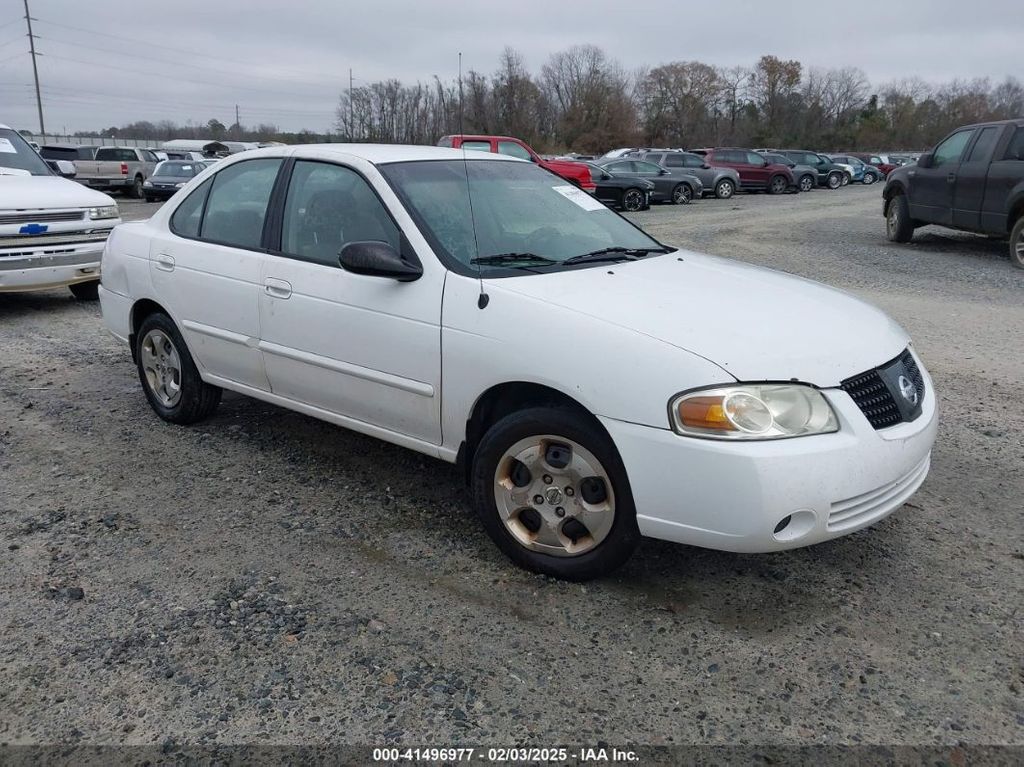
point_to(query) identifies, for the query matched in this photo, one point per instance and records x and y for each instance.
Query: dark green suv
(829, 174)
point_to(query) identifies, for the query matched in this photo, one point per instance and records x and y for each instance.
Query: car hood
(567, 166)
(36, 192)
(756, 323)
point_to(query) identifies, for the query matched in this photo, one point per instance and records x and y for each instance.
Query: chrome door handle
(165, 263)
(951, 178)
(276, 288)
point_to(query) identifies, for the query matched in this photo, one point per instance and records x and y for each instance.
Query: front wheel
(898, 225)
(632, 200)
(777, 185)
(682, 194)
(168, 374)
(86, 291)
(552, 493)
(869, 178)
(1017, 244)
(725, 189)
(834, 181)
(846, 178)
(806, 183)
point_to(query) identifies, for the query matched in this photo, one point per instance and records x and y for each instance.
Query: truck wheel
(806, 183)
(834, 181)
(777, 185)
(632, 200)
(898, 226)
(682, 194)
(85, 291)
(1017, 244)
(136, 190)
(552, 493)
(169, 377)
(725, 189)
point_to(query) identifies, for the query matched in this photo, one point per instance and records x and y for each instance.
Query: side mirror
(605, 176)
(663, 172)
(925, 160)
(378, 259)
(705, 166)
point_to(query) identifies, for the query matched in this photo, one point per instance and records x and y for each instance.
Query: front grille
(29, 217)
(57, 238)
(875, 396)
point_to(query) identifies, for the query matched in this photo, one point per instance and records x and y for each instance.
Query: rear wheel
(1017, 244)
(552, 493)
(682, 194)
(136, 188)
(85, 291)
(834, 180)
(725, 189)
(846, 178)
(898, 225)
(777, 185)
(806, 183)
(168, 374)
(632, 200)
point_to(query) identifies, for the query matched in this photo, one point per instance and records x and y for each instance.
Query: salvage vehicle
(629, 193)
(862, 171)
(117, 168)
(829, 174)
(574, 172)
(720, 182)
(473, 307)
(878, 161)
(52, 230)
(169, 177)
(806, 175)
(756, 173)
(973, 180)
(668, 187)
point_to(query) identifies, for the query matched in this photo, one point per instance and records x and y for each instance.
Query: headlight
(753, 411)
(107, 211)
(147, 182)
(180, 185)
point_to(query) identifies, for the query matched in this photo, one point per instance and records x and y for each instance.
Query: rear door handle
(276, 288)
(165, 263)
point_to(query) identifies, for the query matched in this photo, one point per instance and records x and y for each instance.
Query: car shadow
(15, 304)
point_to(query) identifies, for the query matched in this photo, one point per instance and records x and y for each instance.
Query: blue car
(862, 171)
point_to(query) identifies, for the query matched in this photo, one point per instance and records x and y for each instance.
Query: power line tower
(35, 69)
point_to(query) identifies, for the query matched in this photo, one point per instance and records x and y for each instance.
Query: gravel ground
(268, 578)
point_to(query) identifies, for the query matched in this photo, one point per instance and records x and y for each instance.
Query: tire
(834, 180)
(527, 529)
(725, 189)
(136, 189)
(807, 183)
(682, 194)
(898, 225)
(633, 200)
(1017, 244)
(777, 185)
(869, 179)
(150, 198)
(846, 178)
(169, 377)
(86, 291)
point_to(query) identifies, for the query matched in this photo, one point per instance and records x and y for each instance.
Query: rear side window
(672, 160)
(238, 203)
(1015, 150)
(187, 217)
(692, 161)
(982, 150)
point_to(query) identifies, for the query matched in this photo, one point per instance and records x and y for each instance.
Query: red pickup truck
(575, 172)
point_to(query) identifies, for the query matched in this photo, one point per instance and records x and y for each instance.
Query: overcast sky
(107, 62)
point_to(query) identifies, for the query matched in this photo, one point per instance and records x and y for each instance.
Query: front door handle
(165, 263)
(951, 178)
(276, 288)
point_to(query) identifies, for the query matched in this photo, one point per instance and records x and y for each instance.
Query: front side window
(692, 161)
(238, 202)
(187, 217)
(517, 208)
(951, 149)
(753, 158)
(674, 161)
(329, 206)
(512, 149)
(647, 168)
(478, 146)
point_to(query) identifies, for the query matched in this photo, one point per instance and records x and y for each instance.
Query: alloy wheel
(681, 195)
(633, 200)
(554, 496)
(724, 189)
(870, 178)
(806, 184)
(161, 365)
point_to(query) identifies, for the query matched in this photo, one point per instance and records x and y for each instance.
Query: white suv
(596, 384)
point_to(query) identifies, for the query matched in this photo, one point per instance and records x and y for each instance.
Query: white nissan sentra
(597, 385)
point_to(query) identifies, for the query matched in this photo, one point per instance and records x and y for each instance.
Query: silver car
(806, 176)
(721, 182)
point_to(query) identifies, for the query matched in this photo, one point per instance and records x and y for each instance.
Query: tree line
(582, 100)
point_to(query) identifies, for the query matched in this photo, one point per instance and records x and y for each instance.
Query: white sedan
(597, 385)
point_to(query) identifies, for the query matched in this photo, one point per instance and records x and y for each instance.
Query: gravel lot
(265, 577)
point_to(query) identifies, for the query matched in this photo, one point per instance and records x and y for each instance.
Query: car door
(207, 269)
(1005, 173)
(365, 348)
(756, 169)
(663, 181)
(931, 186)
(969, 190)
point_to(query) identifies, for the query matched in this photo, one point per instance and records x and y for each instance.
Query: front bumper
(43, 270)
(732, 495)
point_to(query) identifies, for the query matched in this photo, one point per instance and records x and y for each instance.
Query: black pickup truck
(973, 180)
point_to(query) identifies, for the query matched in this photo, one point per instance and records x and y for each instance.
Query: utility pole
(351, 111)
(35, 70)
(237, 122)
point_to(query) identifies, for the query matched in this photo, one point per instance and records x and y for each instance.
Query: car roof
(376, 154)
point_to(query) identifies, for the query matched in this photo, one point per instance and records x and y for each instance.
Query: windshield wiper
(513, 258)
(614, 254)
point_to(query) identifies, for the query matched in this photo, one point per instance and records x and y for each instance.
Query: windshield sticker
(581, 198)
(7, 147)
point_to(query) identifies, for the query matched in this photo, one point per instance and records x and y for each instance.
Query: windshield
(177, 169)
(518, 209)
(17, 154)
